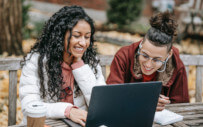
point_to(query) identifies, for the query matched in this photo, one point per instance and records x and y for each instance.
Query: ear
(170, 53)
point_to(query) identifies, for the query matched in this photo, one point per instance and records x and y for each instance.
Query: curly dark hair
(163, 29)
(51, 45)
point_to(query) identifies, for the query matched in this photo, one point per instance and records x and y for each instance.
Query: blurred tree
(123, 12)
(10, 27)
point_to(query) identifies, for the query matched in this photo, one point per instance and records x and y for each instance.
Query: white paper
(165, 117)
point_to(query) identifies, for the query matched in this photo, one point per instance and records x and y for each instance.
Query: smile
(79, 49)
(147, 69)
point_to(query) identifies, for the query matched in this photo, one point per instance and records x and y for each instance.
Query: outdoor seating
(13, 64)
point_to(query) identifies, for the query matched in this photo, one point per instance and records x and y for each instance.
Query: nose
(82, 41)
(148, 63)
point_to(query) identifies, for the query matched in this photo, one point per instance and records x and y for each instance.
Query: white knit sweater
(29, 89)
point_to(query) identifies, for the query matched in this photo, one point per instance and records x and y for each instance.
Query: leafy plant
(123, 12)
(25, 19)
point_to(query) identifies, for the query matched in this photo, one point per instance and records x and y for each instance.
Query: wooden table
(192, 112)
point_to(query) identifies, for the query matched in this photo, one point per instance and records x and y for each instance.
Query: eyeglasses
(154, 61)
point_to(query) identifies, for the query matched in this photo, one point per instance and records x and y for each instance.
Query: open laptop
(122, 105)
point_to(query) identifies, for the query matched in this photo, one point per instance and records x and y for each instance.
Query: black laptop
(122, 105)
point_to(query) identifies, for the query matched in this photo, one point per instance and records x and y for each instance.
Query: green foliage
(30, 29)
(123, 12)
(25, 19)
(37, 30)
(25, 16)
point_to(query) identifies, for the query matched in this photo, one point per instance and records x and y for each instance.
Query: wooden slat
(187, 59)
(184, 105)
(13, 63)
(198, 93)
(191, 116)
(192, 59)
(187, 70)
(12, 97)
(105, 59)
(186, 108)
(21, 125)
(10, 64)
(196, 123)
(55, 123)
(104, 71)
(180, 124)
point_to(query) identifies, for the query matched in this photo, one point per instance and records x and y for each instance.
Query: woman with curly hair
(154, 59)
(62, 66)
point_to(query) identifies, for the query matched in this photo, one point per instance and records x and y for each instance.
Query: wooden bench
(13, 64)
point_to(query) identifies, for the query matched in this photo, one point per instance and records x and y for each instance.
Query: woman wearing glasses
(154, 59)
(61, 69)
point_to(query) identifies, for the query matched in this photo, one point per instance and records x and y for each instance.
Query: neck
(67, 58)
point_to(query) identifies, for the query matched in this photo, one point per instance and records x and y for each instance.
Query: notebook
(166, 117)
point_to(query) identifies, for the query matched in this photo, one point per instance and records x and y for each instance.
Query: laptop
(122, 105)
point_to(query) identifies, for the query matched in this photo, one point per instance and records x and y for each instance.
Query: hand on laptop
(163, 100)
(78, 116)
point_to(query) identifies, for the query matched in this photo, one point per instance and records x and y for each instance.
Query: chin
(77, 55)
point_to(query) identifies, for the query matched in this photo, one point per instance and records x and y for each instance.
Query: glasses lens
(157, 63)
(154, 62)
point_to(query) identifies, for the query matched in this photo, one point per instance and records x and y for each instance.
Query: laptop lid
(123, 105)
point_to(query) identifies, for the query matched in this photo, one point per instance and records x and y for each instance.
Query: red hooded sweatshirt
(122, 66)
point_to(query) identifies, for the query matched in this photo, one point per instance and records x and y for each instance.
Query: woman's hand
(78, 116)
(163, 100)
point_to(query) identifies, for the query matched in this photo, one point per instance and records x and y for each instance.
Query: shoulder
(32, 57)
(176, 58)
(127, 52)
(123, 51)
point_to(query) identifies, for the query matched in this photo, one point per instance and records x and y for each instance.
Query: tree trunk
(10, 27)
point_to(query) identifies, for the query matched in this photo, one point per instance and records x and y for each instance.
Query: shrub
(25, 19)
(123, 12)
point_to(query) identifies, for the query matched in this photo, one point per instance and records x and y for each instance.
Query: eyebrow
(80, 32)
(152, 57)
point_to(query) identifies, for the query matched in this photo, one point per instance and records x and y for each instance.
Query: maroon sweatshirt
(121, 71)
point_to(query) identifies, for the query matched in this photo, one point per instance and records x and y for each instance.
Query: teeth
(79, 49)
(148, 69)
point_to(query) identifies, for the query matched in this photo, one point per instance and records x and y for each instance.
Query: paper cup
(36, 114)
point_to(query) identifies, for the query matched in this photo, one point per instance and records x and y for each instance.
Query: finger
(81, 123)
(83, 118)
(160, 105)
(164, 97)
(164, 101)
(160, 108)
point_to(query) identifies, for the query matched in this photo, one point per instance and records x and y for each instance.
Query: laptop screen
(123, 105)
